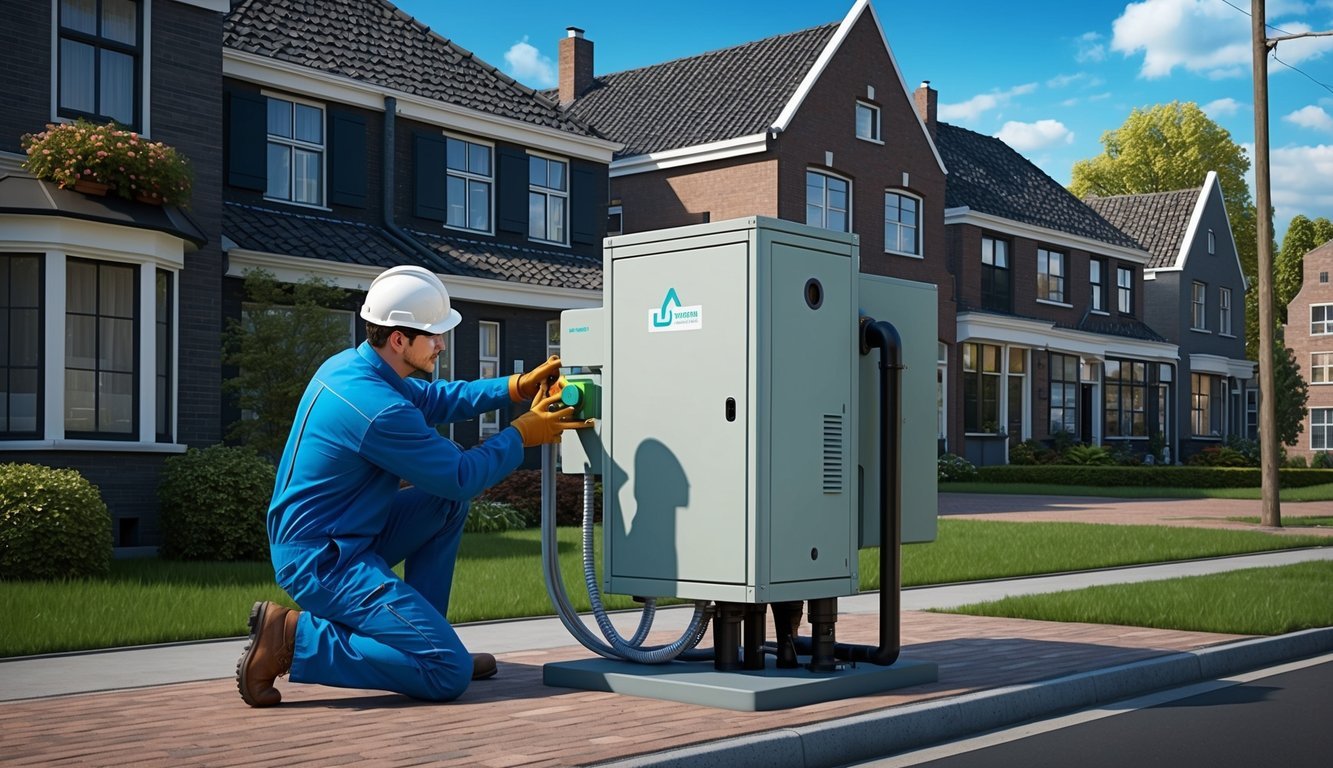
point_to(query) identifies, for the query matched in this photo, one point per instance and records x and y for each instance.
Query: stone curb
(897, 729)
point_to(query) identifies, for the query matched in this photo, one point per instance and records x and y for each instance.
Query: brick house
(330, 139)
(113, 308)
(1051, 308)
(1309, 334)
(815, 126)
(1194, 295)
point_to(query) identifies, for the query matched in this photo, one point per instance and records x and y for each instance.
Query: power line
(1273, 48)
(1247, 13)
(1307, 76)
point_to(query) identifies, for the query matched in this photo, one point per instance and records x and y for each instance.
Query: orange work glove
(525, 386)
(541, 425)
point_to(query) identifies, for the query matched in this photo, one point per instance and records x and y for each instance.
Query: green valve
(584, 396)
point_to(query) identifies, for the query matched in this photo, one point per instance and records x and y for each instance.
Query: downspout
(395, 232)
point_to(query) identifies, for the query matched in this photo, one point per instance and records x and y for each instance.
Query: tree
(285, 333)
(1303, 236)
(1173, 146)
(1292, 393)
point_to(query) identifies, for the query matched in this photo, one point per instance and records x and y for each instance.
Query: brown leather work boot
(483, 666)
(268, 656)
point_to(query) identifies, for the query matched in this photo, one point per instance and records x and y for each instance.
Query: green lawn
(1255, 601)
(1322, 492)
(1296, 521)
(500, 576)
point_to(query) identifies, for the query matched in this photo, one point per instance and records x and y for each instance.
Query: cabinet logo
(672, 316)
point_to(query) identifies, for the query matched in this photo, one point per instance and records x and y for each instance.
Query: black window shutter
(430, 158)
(247, 153)
(347, 159)
(587, 203)
(512, 189)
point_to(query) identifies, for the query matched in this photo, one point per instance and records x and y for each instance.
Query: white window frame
(1097, 287)
(1321, 429)
(293, 144)
(488, 367)
(942, 390)
(1212, 243)
(1124, 290)
(1323, 326)
(1207, 396)
(1053, 292)
(552, 338)
(873, 112)
(469, 177)
(143, 73)
(548, 194)
(899, 225)
(1198, 306)
(823, 206)
(1224, 312)
(1321, 368)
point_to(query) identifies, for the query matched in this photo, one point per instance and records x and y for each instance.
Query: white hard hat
(410, 297)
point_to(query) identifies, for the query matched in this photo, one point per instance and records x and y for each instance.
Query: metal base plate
(746, 691)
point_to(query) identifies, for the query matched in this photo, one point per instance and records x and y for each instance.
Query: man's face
(421, 352)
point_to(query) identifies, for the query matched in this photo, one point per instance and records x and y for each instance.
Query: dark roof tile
(988, 176)
(1158, 220)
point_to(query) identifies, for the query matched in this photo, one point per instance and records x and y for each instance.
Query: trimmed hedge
(214, 502)
(522, 490)
(53, 524)
(1150, 477)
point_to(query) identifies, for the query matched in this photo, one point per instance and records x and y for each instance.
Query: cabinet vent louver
(833, 453)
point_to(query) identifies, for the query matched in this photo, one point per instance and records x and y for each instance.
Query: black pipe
(752, 644)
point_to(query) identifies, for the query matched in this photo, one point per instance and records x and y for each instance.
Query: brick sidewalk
(514, 720)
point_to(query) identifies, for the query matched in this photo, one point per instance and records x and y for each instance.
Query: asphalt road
(1275, 717)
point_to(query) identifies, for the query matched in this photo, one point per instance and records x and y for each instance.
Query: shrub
(485, 516)
(214, 501)
(1151, 477)
(1322, 460)
(952, 468)
(1295, 462)
(1024, 452)
(53, 524)
(1245, 447)
(522, 490)
(1087, 455)
(1218, 456)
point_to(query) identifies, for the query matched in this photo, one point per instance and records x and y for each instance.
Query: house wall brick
(25, 56)
(716, 191)
(1298, 338)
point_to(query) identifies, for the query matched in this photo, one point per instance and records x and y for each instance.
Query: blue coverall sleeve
(400, 441)
(445, 402)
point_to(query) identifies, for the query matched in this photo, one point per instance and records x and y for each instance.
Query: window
(1224, 311)
(1212, 243)
(552, 337)
(100, 58)
(901, 223)
(1251, 413)
(981, 388)
(100, 332)
(867, 121)
(941, 389)
(1097, 280)
(826, 202)
(548, 196)
(1321, 368)
(1126, 390)
(1321, 319)
(1321, 429)
(1124, 283)
(295, 152)
(1050, 275)
(615, 220)
(468, 184)
(1205, 405)
(1199, 307)
(489, 367)
(164, 296)
(995, 274)
(1064, 394)
(1016, 391)
(1323, 277)
(20, 345)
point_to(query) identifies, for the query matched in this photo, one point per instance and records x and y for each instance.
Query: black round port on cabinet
(814, 293)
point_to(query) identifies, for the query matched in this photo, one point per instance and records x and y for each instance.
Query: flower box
(121, 161)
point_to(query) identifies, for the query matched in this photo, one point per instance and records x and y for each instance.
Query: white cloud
(1029, 137)
(529, 66)
(981, 103)
(1221, 108)
(1060, 81)
(1090, 48)
(1312, 117)
(1202, 36)
(1301, 181)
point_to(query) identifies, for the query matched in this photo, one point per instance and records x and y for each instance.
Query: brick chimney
(927, 103)
(575, 65)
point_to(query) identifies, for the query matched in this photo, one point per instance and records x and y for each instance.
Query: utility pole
(1269, 514)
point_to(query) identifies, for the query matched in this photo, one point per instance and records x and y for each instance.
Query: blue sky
(1047, 76)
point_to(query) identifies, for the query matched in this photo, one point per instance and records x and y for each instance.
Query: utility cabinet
(728, 412)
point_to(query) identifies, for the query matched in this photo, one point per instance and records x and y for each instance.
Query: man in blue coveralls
(366, 482)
